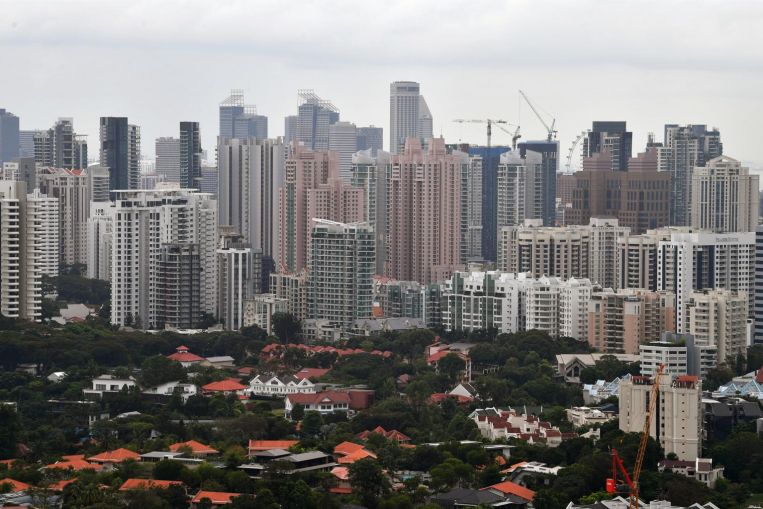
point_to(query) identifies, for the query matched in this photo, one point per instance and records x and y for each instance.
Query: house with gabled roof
(116, 456)
(280, 386)
(184, 356)
(196, 448)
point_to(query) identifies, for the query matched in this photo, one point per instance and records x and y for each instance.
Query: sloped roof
(115, 456)
(196, 447)
(355, 456)
(228, 385)
(75, 465)
(266, 445)
(512, 488)
(216, 497)
(346, 448)
(311, 399)
(147, 484)
(15, 485)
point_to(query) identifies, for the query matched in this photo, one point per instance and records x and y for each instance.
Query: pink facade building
(312, 189)
(424, 203)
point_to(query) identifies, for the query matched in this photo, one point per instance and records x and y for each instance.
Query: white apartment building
(294, 289)
(678, 358)
(574, 295)
(42, 238)
(718, 318)
(343, 139)
(147, 223)
(677, 422)
(260, 309)
(239, 269)
(606, 233)
(724, 196)
(99, 238)
(517, 199)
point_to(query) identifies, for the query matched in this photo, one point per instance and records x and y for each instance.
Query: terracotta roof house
(267, 445)
(116, 456)
(197, 448)
(217, 498)
(227, 386)
(355, 456)
(393, 434)
(75, 464)
(185, 357)
(342, 475)
(346, 448)
(147, 484)
(511, 488)
(60, 485)
(14, 485)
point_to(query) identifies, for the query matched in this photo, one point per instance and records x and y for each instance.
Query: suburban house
(271, 385)
(185, 357)
(347, 453)
(216, 498)
(169, 389)
(512, 490)
(585, 416)
(342, 476)
(467, 497)
(267, 445)
(147, 484)
(570, 365)
(74, 463)
(393, 434)
(196, 448)
(495, 424)
(701, 469)
(109, 384)
(226, 387)
(116, 456)
(437, 350)
(327, 402)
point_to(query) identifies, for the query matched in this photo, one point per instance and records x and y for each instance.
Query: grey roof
(307, 456)
(161, 454)
(272, 453)
(467, 496)
(221, 358)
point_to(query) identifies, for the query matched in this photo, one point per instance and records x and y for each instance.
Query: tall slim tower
(120, 152)
(724, 196)
(404, 105)
(314, 120)
(240, 120)
(9, 136)
(190, 155)
(168, 159)
(343, 138)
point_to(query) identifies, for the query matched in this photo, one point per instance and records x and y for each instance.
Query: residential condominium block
(343, 139)
(369, 173)
(294, 289)
(679, 355)
(677, 422)
(148, 225)
(718, 318)
(120, 152)
(239, 269)
(471, 210)
(100, 225)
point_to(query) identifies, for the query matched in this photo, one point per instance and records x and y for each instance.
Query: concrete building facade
(724, 196)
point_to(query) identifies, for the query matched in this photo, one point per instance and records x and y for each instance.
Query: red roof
(346, 448)
(389, 435)
(196, 447)
(512, 488)
(229, 385)
(75, 465)
(147, 484)
(355, 456)
(15, 485)
(341, 473)
(115, 456)
(185, 357)
(266, 445)
(312, 399)
(216, 497)
(60, 485)
(311, 373)
(759, 376)
(340, 490)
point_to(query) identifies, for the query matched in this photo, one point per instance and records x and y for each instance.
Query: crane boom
(551, 131)
(490, 122)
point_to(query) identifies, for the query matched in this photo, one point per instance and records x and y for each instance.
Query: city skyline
(659, 80)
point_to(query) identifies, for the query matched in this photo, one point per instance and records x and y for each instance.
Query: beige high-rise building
(294, 289)
(724, 196)
(677, 423)
(72, 189)
(425, 212)
(718, 317)
(619, 321)
(605, 235)
(636, 261)
(312, 189)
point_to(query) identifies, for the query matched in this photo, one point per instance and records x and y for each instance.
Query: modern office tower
(98, 182)
(691, 261)
(471, 210)
(724, 196)
(757, 308)
(718, 317)
(312, 189)
(490, 161)
(562, 252)
(239, 269)
(209, 180)
(605, 237)
(294, 289)
(341, 270)
(485, 300)
(425, 127)
(544, 186)
(687, 147)
(250, 176)
(315, 116)
(26, 144)
(259, 311)
(619, 321)
(679, 354)
(29, 240)
(369, 174)
(554, 306)
(178, 286)
(613, 137)
(424, 203)
(80, 151)
(9, 136)
(677, 423)
(404, 114)
(290, 129)
(168, 159)
(71, 189)
(146, 226)
(239, 120)
(190, 155)
(639, 198)
(120, 152)
(99, 240)
(518, 193)
(343, 139)
(370, 138)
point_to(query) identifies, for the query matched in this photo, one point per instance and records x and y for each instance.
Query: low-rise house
(266, 445)
(74, 463)
(437, 350)
(311, 461)
(721, 416)
(276, 351)
(624, 503)
(169, 389)
(147, 484)
(524, 471)
(196, 448)
(219, 362)
(495, 424)
(393, 435)
(342, 477)
(184, 356)
(749, 385)
(700, 469)
(105, 384)
(279, 386)
(467, 497)
(216, 498)
(226, 387)
(508, 488)
(369, 326)
(586, 416)
(327, 402)
(9, 485)
(347, 453)
(114, 457)
(465, 390)
(570, 365)
(57, 376)
(597, 392)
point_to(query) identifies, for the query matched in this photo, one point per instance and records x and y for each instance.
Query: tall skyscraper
(490, 158)
(312, 189)
(60, 146)
(343, 139)
(315, 116)
(9, 136)
(518, 196)
(545, 180)
(405, 115)
(120, 152)
(150, 259)
(190, 155)
(239, 269)
(71, 189)
(29, 240)
(724, 196)
(168, 159)
(250, 175)
(341, 271)
(290, 129)
(371, 138)
(425, 212)
(240, 120)
(471, 210)
(26, 144)
(687, 147)
(99, 239)
(611, 135)
(369, 173)
(425, 127)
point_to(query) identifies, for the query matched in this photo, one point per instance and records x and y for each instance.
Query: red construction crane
(631, 485)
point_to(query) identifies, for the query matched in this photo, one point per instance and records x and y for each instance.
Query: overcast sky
(159, 62)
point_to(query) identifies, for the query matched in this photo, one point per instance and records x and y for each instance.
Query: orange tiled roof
(512, 488)
(216, 497)
(147, 484)
(74, 464)
(115, 456)
(228, 385)
(266, 445)
(355, 456)
(60, 485)
(15, 485)
(196, 447)
(346, 448)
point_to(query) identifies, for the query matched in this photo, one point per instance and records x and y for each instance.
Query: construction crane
(490, 122)
(550, 129)
(617, 463)
(579, 137)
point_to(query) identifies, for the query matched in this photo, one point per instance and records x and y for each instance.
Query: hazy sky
(159, 62)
